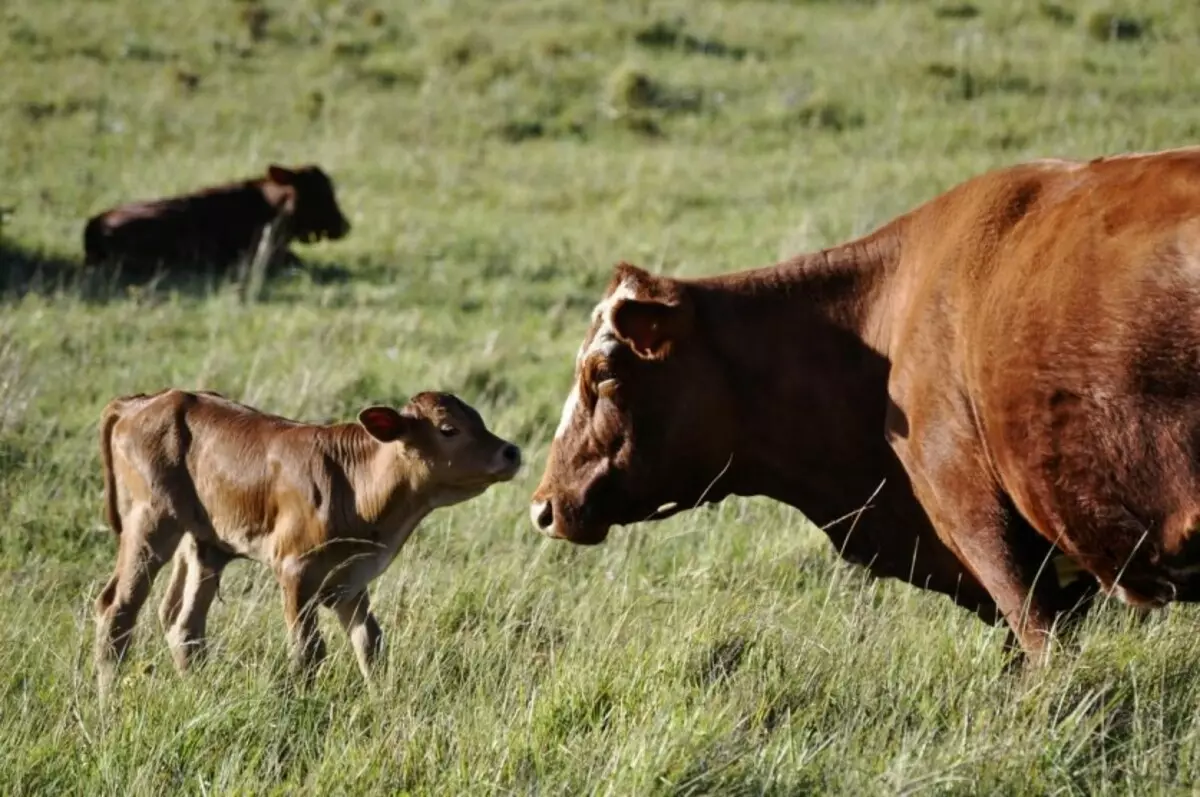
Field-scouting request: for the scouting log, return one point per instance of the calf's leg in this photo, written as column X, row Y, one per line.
column 146, row 543
column 300, row 613
column 168, row 609
column 202, row 568
column 360, row 624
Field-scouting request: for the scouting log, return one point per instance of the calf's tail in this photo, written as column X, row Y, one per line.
column 111, row 415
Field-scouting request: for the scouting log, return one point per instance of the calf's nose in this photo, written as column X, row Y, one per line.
column 511, row 454
column 542, row 515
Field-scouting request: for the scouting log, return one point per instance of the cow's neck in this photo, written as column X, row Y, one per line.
column 804, row 345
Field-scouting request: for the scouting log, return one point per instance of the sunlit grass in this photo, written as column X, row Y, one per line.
column 496, row 160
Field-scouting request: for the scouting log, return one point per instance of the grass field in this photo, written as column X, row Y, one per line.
column 496, row 159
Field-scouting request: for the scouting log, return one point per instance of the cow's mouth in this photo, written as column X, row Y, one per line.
column 581, row 531
column 587, row 529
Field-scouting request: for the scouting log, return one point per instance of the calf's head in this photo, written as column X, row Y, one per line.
column 448, row 440
column 308, row 198
column 648, row 427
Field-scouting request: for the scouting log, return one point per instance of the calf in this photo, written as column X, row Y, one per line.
column 220, row 227
column 995, row 395
column 327, row 508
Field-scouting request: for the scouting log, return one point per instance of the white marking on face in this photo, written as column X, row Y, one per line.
column 568, row 411
column 604, row 342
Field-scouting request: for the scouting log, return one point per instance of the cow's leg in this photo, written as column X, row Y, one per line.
column 954, row 480
column 172, row 599
column 202, row 578
column 360, row 624
column 300, row 613
column 146, row 543
column 994, row 542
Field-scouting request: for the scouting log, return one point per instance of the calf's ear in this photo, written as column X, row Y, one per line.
column 651, row 327
column 384, row 423
column 280, row 174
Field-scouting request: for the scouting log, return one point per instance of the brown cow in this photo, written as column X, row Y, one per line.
column 327, row 508
column 221, row 227
column 997, row 388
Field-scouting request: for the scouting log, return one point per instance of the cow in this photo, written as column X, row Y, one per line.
column 221, row 228
column 995, row 395
column 208, row 480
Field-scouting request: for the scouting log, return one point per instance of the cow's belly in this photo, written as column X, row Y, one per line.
column 1112, row 481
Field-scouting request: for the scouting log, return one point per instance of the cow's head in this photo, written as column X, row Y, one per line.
column 309, row 200
column 648, row 426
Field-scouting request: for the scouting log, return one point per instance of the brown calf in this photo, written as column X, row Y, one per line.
column 995, row 396
column 327, row 508
column 220, row 227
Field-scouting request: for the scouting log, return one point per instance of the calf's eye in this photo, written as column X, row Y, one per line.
column 447, row 430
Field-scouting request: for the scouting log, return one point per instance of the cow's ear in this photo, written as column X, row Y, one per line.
column 280, row 174
column 384, row 423
column 651, row 328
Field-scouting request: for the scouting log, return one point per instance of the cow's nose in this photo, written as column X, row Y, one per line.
column 542, row 515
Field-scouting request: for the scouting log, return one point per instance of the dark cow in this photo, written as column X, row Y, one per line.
column 995, row 396
column 222, row 227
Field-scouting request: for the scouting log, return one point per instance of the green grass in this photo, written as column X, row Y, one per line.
column 496, row 160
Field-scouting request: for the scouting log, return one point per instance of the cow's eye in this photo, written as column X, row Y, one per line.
column 447, row 430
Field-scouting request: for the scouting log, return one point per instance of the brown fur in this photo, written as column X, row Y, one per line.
column 207, row 480
column 219, row 227
column 1007, row 377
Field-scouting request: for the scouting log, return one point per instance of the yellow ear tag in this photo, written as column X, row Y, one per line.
column 1066, row 569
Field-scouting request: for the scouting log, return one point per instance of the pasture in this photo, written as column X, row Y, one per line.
column 496, row 159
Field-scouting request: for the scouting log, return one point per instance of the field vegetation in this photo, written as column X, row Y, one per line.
column 496, row 159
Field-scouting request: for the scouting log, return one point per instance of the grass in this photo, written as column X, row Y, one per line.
column 496, row 160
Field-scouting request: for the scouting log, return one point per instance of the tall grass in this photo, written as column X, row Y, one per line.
column 496, row 160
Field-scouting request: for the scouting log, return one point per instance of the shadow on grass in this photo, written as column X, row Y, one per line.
column 26, row 271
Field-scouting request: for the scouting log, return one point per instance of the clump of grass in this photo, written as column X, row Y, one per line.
column 187, row 80
column 630, row 99
column 456, row 51
column 636, row 100
column 969, row 84
column 1114, row 26
column 351, row 48
column 817, row 111
column 827, row 114
column 1056, row 13
column 942, row 70
column 390, row 70
column 516, row 130
column 312, row 105
column 630, row 90
column 255, row 18
column 957, row 11
column 662, row 34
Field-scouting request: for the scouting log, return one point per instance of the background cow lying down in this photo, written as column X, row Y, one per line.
column 995, row 396
column 327, row 508
column 219, row 228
